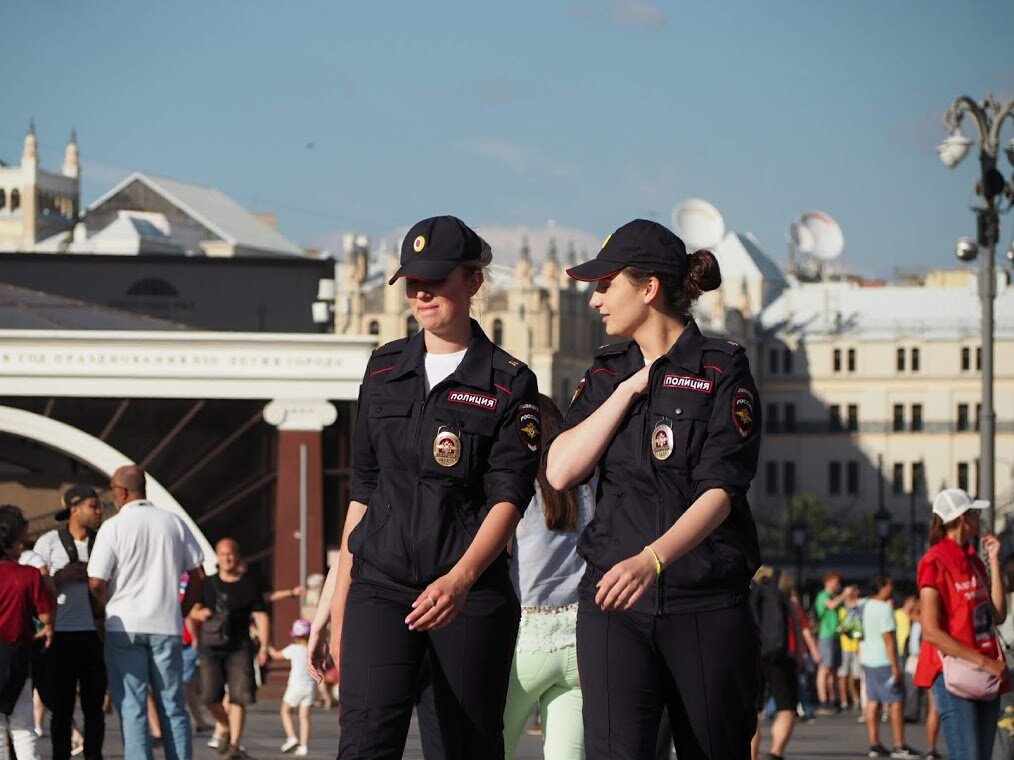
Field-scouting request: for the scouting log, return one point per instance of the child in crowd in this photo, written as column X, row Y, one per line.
column 299, row 692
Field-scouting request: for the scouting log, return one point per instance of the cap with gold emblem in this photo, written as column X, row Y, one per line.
column 641, row 243
column 434, row 246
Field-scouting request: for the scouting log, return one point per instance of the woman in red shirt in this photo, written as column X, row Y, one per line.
column 960, row 608
column 22, row 597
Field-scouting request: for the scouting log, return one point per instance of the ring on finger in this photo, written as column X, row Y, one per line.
column 433, row 602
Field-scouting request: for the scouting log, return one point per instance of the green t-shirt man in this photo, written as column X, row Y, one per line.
column 827, row 617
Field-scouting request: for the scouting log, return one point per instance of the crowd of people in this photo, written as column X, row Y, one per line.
column 498, row 554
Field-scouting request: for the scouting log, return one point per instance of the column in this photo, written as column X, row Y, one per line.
column 300, row 481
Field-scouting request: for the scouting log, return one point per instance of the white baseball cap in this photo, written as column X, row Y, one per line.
column 952, row 503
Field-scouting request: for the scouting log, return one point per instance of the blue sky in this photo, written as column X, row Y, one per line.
column 510, row 114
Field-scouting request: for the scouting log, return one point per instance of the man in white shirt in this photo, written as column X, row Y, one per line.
column 134, row 571
column 74, row 661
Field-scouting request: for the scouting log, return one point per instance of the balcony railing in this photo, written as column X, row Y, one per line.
column 814, row 427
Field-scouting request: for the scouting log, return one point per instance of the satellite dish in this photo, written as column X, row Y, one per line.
column 800, row 237
column 828, row 239
column 698, row 223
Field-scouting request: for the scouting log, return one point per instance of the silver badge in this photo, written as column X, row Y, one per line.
column 662, row 441
column 446, row 448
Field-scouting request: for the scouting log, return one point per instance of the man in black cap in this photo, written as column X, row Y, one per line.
column 75, row 659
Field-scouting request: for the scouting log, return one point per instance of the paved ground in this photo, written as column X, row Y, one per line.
column 834, row 737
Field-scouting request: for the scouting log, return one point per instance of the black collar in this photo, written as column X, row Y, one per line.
column 688, row 349
column 476, row 368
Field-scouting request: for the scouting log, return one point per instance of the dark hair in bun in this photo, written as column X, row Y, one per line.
column 702, row 275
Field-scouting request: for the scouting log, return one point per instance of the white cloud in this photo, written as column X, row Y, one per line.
column 518, row 158
column 620, row 13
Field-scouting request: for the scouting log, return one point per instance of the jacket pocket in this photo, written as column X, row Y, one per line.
column 458, row 448
column 390, row 428
column 688, row 419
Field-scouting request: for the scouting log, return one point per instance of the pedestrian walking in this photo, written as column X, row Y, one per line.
column 825, row 609
column 671, row 420
column 445, row 452
column 885, row 683
column 300, row 690
column 134, row 572
column 961, row 606
column 546, row 571
column 850, row 672
column 228, row 602
column 23, row 598
column 75, row 663
column 780, row 658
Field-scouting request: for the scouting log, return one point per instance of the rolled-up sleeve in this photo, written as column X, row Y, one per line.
column 514, row 455
column 729, row 456
column 365, row 469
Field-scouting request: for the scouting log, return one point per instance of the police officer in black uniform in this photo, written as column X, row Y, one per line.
column 670, row 420
column 445, row 453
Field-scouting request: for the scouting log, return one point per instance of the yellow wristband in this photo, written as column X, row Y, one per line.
column 658, row 562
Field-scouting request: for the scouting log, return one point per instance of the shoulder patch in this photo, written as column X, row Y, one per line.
column 394, row 347
column 742, row 412
column 723, row 345
column 613, row 348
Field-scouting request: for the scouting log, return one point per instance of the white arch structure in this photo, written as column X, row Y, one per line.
column 98, row 455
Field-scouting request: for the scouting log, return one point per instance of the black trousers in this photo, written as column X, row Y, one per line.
column 381, row 661
column 14, row 662
column 702, row 667
column 75, row 662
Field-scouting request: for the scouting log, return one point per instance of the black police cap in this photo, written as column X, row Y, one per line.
column 640, row 243
column 433, row 247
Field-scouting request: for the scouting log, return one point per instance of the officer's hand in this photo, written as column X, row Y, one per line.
column 316, row 659
column 438, row 604
column 638, row 382
column 625, row 583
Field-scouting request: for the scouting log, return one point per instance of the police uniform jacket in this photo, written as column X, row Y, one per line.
column 703, row 392
column 482, row 422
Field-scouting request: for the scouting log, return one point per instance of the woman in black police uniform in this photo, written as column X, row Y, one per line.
column 445, row 452
column 670, row 420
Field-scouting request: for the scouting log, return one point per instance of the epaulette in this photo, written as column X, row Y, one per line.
column 613, row 348
column 504, row 361
column 723, row 345
column 394, row 347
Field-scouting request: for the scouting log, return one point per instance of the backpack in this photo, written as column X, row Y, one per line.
column 216, row 631
column 771, row 612
column 852, row 623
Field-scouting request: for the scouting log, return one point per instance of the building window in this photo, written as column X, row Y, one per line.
column 916, row 417
column 852, row 360
column 966, row 359
column 963, row 422
column 773, row 361
column 789, row 476
column 835, row 418
column 771, row 478
column 834, row 478
column 771, row 421
column 790, row 418
column 787, row 361
column 901, row 360
column 978, row 358
column 963, row 475
column 836, row 360
column 899, row 478
column 978, row 417
column 899, row 418
column 853, row 418
column 915, row 359
column 3, row 199
column 852, row 478
column 411, row 326
column 918, row 477
column 978, row 478
column 498, row 332
column 15, row 199
column 374, row 327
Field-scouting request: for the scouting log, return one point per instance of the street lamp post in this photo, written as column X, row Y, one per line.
column 798, row 539
column 883, row 523
column 993, row 189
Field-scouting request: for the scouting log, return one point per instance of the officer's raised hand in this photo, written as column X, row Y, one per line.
column 439, row 603
column 626, row 582
column 637, row 383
